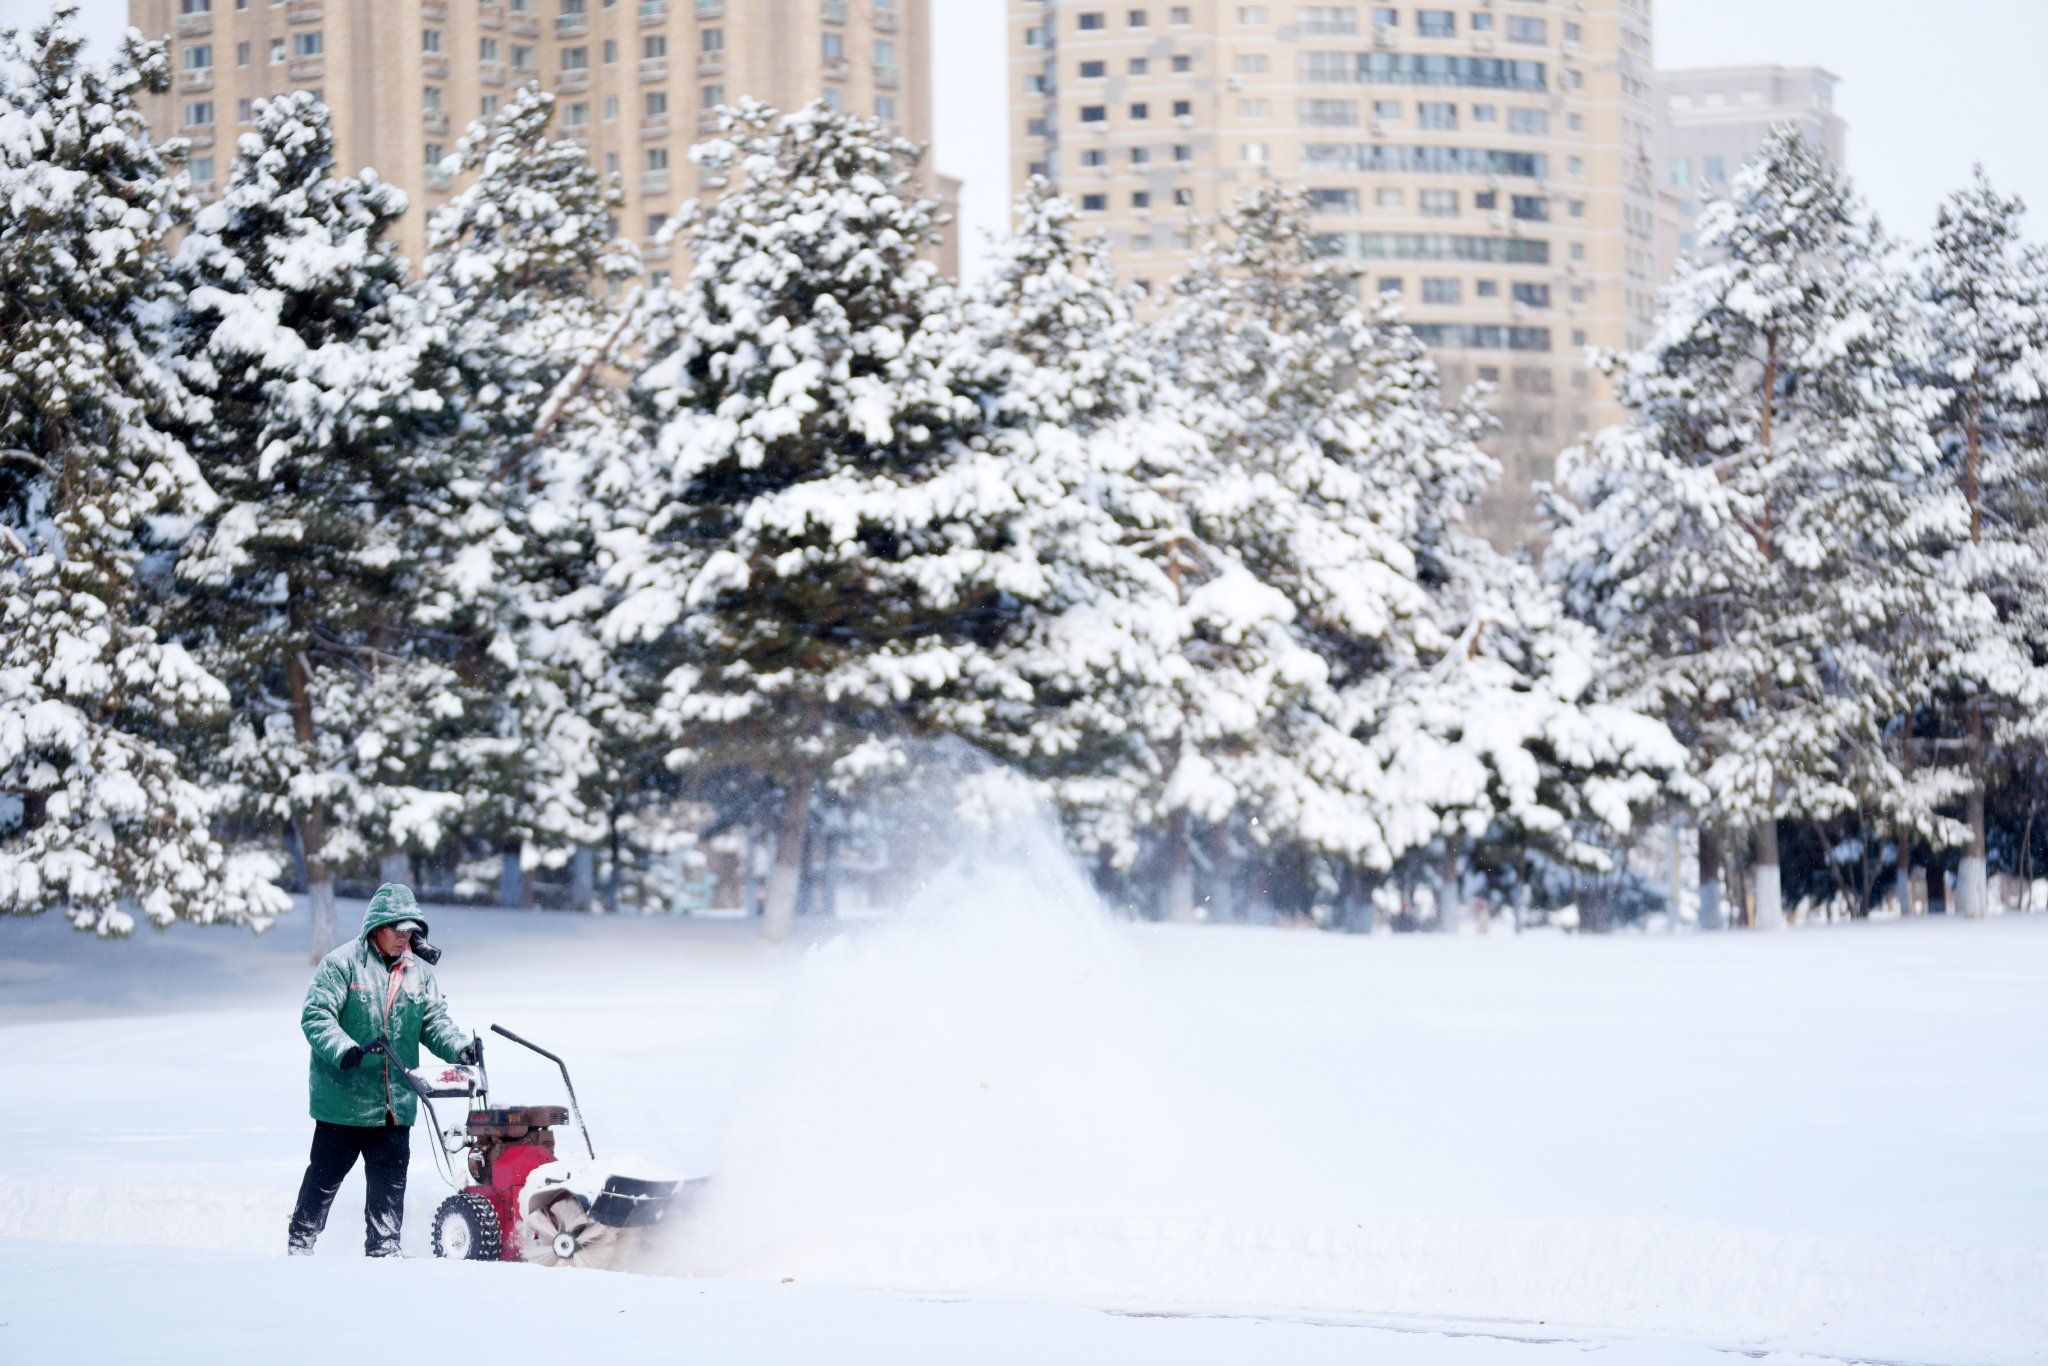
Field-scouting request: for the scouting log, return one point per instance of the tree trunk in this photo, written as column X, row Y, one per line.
column 511, row 878
column 1180, row 872
column 1222, row 894
column 1711, row 914
column 1973, row 898
column 313, row 827
column 395, row 865
column 785, row 879
column 1770, row 892
column 582, row 877
column 1904, row 872
column 1450, row 901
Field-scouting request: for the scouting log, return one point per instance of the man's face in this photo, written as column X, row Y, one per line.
column 390, row 940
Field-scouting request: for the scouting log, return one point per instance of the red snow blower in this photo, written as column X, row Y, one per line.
column 520, row 1202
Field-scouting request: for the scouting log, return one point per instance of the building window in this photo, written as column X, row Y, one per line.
column 1141, row 199
column 430, row 99
column 1141, row 110
column 199, row 114
column 245, row 110
column 654, row 104
column 611, row 52
column 1387, row 197
column 1523, row 29
column 1716, row 170
column 1140, row 156
column 654, row 48
column 1093, row 20
column 711, row 97
column 1254, row 153
column 430, row 40
column 1183, row 152
column 1384, row 110
column 307, row 44
column 1681, row 171
column 657, row 159
column 1531, row 208
column 1437, row 114
column 575, row 59
column 1535, row 296
column 1034, row 82
column 835, row 50
column 1251, row 14
column 1091, row 71
column 1137, row 18
column 1327, row 200
column 1574, row 122
column 1575, row 166
column 576, row 115
column 710, row 40
column 1254, row 109
column 522, row 56
column 1488, row 289
column 1182, row 63
column 1482, row 23
column 1253, row 63
column 1094, row 203
column 1328, row 18
column 1486, row 199
column 436, row 153
column 1532, row 121
column 1442, row 291
column 1036, row 128
column 835, row 99
column 195, row 7
column 1035, row 36
column 1139, row 66
column 1183, row 198
column 1438, row 203
column 885, row 108
column 488, row 106
column 1436, row 23
column 1385, row 16
column 241, row 54
column 1180, row 14
column 1329, row 113
column 1390, row 284
column 1484, row 113
column 199, row 57
column 487, row 50
column 1183, row 109
column 1094, row 113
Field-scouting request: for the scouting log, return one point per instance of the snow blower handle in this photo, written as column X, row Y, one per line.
column 556, row 1060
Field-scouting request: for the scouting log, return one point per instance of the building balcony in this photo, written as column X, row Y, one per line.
column 836, row 68
column 653, row 70
column 710, row 63
column 572, row 25
column 888, row 75
column 194, row 81
column 305, row 69
column 578, row 134
column 525, row 25
column 653, row 12
column 572, row 82
column 436, row 10
column 654, row 182
column 653, row 250
column 437, row 176
column 490, row 16
column 193, row 25
column 710, row 9
column 707, row 121
column 305, row 12
column 491, row 73
column 832, row 11
column 198, row 139
column 655, row 126
column 885, row 20
column 435, row 121
column 434, row 65
column 522, row 74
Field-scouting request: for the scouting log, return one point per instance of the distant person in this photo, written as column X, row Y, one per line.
column 372, row 1004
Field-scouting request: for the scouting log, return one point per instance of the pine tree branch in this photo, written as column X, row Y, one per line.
column 34, row 462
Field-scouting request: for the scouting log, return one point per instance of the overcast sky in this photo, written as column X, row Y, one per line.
column 1927, row 89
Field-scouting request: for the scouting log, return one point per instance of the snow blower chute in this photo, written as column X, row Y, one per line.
column 520, row 1203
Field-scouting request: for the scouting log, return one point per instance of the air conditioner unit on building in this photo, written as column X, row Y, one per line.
column 1482, row 44
column 1382, row 36
column 1499, row 220
column 1233, row 82
column 1377, row 128
column 1570, row 48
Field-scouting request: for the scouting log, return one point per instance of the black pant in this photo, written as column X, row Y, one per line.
column 385, row 1150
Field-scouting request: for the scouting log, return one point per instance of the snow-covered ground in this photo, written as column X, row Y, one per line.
column 1001, row 1129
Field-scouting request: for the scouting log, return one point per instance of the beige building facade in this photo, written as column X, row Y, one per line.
column 1487, row 161
column 1712, row 119
column 637, row 81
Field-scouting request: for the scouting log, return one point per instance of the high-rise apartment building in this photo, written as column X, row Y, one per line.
column 1488, row 161
column 637, row 81
column 1710, row 120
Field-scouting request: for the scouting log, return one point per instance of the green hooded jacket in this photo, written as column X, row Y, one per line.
column 352, row 1000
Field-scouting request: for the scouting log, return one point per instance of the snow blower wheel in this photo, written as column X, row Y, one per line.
column 466, row 1230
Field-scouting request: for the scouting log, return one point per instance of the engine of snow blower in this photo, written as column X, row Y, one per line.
column 519, row 1203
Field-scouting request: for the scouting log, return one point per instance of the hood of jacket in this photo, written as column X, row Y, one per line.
column 392, row 903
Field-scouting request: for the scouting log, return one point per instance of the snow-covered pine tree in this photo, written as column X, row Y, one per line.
column 1985, row 352
column 831, row 547
column 515, row 281
column 1065, row 695
column 296, row 588
column 96, row 814
column 1743, row 542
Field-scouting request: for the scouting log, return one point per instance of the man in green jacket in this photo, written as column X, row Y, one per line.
column 372, row 1004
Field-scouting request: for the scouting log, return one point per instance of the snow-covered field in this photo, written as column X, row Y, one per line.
column 1001, row 1129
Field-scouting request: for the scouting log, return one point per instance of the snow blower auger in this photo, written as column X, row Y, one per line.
column 520, row 1203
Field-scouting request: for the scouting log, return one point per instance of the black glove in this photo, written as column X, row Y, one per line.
column 356, row 1053
column 473, row 1054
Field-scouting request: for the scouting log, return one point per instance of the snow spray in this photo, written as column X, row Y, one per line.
column 983, row 1066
